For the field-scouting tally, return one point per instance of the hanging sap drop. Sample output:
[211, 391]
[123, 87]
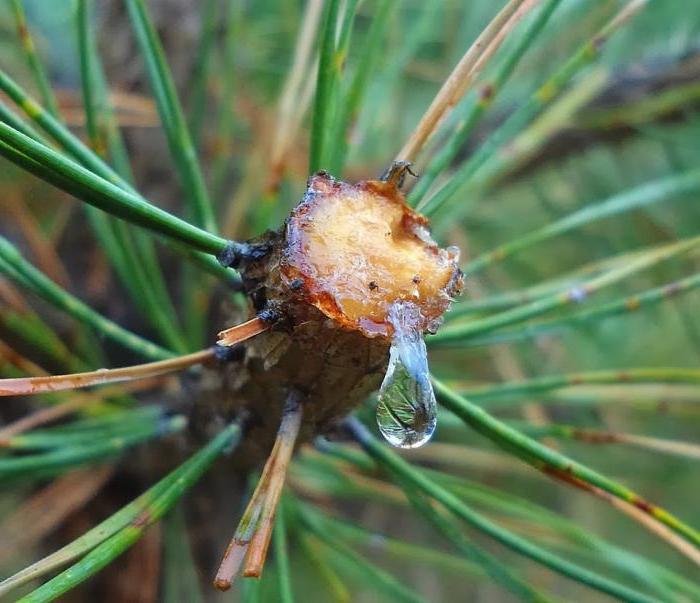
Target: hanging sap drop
[406, 410]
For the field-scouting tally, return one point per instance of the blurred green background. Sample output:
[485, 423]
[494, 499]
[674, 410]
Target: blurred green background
[627, 120]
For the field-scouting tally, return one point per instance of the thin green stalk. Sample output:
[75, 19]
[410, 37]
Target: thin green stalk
[116, 534]
[111, 143]
[523, 389]
[401, 468]
[406, 37]
[663, 189]
[589, 52]
[157, 305]
[45, 440]
[209, 264]
[93, 162]
[172, 119]
[573, 296]
[251, 591]
[352, 101]
[112, 420]
[334, 135]
[507, 299]
[487, 93]
[104, 230]
[491, 566]
[34, 330]
[642, 111]
[96, 218]
[201, 70]
[30, 466]
[204, 260]
[345, 32]
[279, 543]
[29, 327]
[95, 190]
[137, 414]
[90, 431]
[141, 272]
[35, 64]
[625, 305]
[580, 540]
[180, 580]
[459, 193]
[107, 136]
[510, 505]
[8, 117]
[339, 592]
[14, 265]
[602, 437]
[88, 79]
[226, 114]
[56, 129]
[553, 463]
[378, 577]
[326, 83]
[515, 297]
[399, 548]
[90, 160]
[492, 500]
[98, 221]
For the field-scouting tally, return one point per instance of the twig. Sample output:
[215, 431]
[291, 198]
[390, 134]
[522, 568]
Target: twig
[52, 383]
[456, 84]
[246, 330]
[286, 437]
[294, 97]
[494, 45]
[252, 537]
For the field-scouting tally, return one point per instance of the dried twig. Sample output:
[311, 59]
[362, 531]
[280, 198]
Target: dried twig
[246, 330]
[252, 537]
[295, 99]
[461, 77]
[52, 383]
[38, 385]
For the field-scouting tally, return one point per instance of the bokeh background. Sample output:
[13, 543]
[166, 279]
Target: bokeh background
[628, 119]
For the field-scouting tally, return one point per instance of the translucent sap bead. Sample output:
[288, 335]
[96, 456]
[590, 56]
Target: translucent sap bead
[406, 411]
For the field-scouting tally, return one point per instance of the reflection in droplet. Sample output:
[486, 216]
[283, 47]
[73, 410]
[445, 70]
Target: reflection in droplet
[407, 411]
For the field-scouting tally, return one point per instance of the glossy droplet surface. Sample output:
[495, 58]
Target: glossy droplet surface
[406, 410]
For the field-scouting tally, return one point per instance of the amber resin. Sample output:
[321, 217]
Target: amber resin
[353, 250]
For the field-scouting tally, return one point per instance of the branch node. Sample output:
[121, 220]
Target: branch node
[234, 253]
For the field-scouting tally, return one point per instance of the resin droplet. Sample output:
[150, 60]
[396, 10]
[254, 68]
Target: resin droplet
[406, 411]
